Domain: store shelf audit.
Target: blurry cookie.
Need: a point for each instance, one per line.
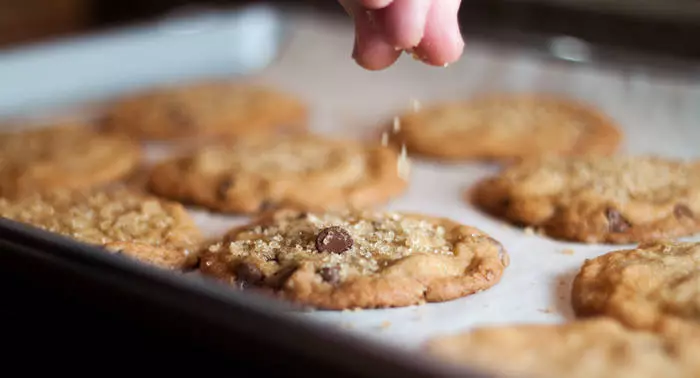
(641, 286)
(206, 110)
(69, 157)
(362, 259)
(507, 127)
(301, 171)
(594, 199)
(599, 348)
(148, 229)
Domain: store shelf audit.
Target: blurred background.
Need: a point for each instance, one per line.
(669, 28)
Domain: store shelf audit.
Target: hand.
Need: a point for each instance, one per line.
(384, 28)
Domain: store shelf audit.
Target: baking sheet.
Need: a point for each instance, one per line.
(659, 115)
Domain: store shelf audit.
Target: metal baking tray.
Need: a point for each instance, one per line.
(61, 77)
(649, 107)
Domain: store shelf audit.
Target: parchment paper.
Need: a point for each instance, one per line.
(658, 115)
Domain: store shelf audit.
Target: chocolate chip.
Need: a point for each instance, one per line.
(333, 239)
(224, 186)
(248, 274)
(330, 274)
(302, 215)
(683, 211)
(616, 222)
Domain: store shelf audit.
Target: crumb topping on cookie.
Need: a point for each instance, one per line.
(367, 242)
(640, 286)
(616, 178)
(270, 157)
(505, 117)
(65, 156)
(101, 217)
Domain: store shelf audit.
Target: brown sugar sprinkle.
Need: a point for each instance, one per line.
(568, 251)
(378, 239)
(415, 105)
(404, 165)
(98, 218)
(397, 125)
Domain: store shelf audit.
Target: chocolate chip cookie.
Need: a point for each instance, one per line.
(641, 286)
(205, 110)
(301, 171)
(599, 348)
(357, 259)
(594, 199)
(65, 156)
(507, 128)
(157, 232)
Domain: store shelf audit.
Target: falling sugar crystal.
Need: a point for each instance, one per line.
(415, 104)
(404, 165)
(385, 139)
(397, 124)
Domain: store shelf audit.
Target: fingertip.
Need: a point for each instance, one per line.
(376, 56)
(404, 22)
(375, 4)
(440, 54)
(442, 42)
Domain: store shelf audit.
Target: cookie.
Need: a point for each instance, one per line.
(62, 157)
(599, 348)
(157, 232)
(507, 128)
(641, 286)
(597, 199)
(204, 110)
(308, 172)
(357, 259)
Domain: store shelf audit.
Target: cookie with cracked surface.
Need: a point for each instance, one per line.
(205, 110)
(148, 229)
(307, 172)
(597, 348)
(62, 157)
(507, 128)
(596, 199)
(641, 286)
(357, 259)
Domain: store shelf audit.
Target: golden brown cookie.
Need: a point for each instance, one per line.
(62, 157)
(641, 286)
(300, 171)
(599, 348)
(507, 127)
(206, 110)
(146, 228)
(594, 199)
(357, 259)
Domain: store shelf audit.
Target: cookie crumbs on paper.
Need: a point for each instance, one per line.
(568, 251)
